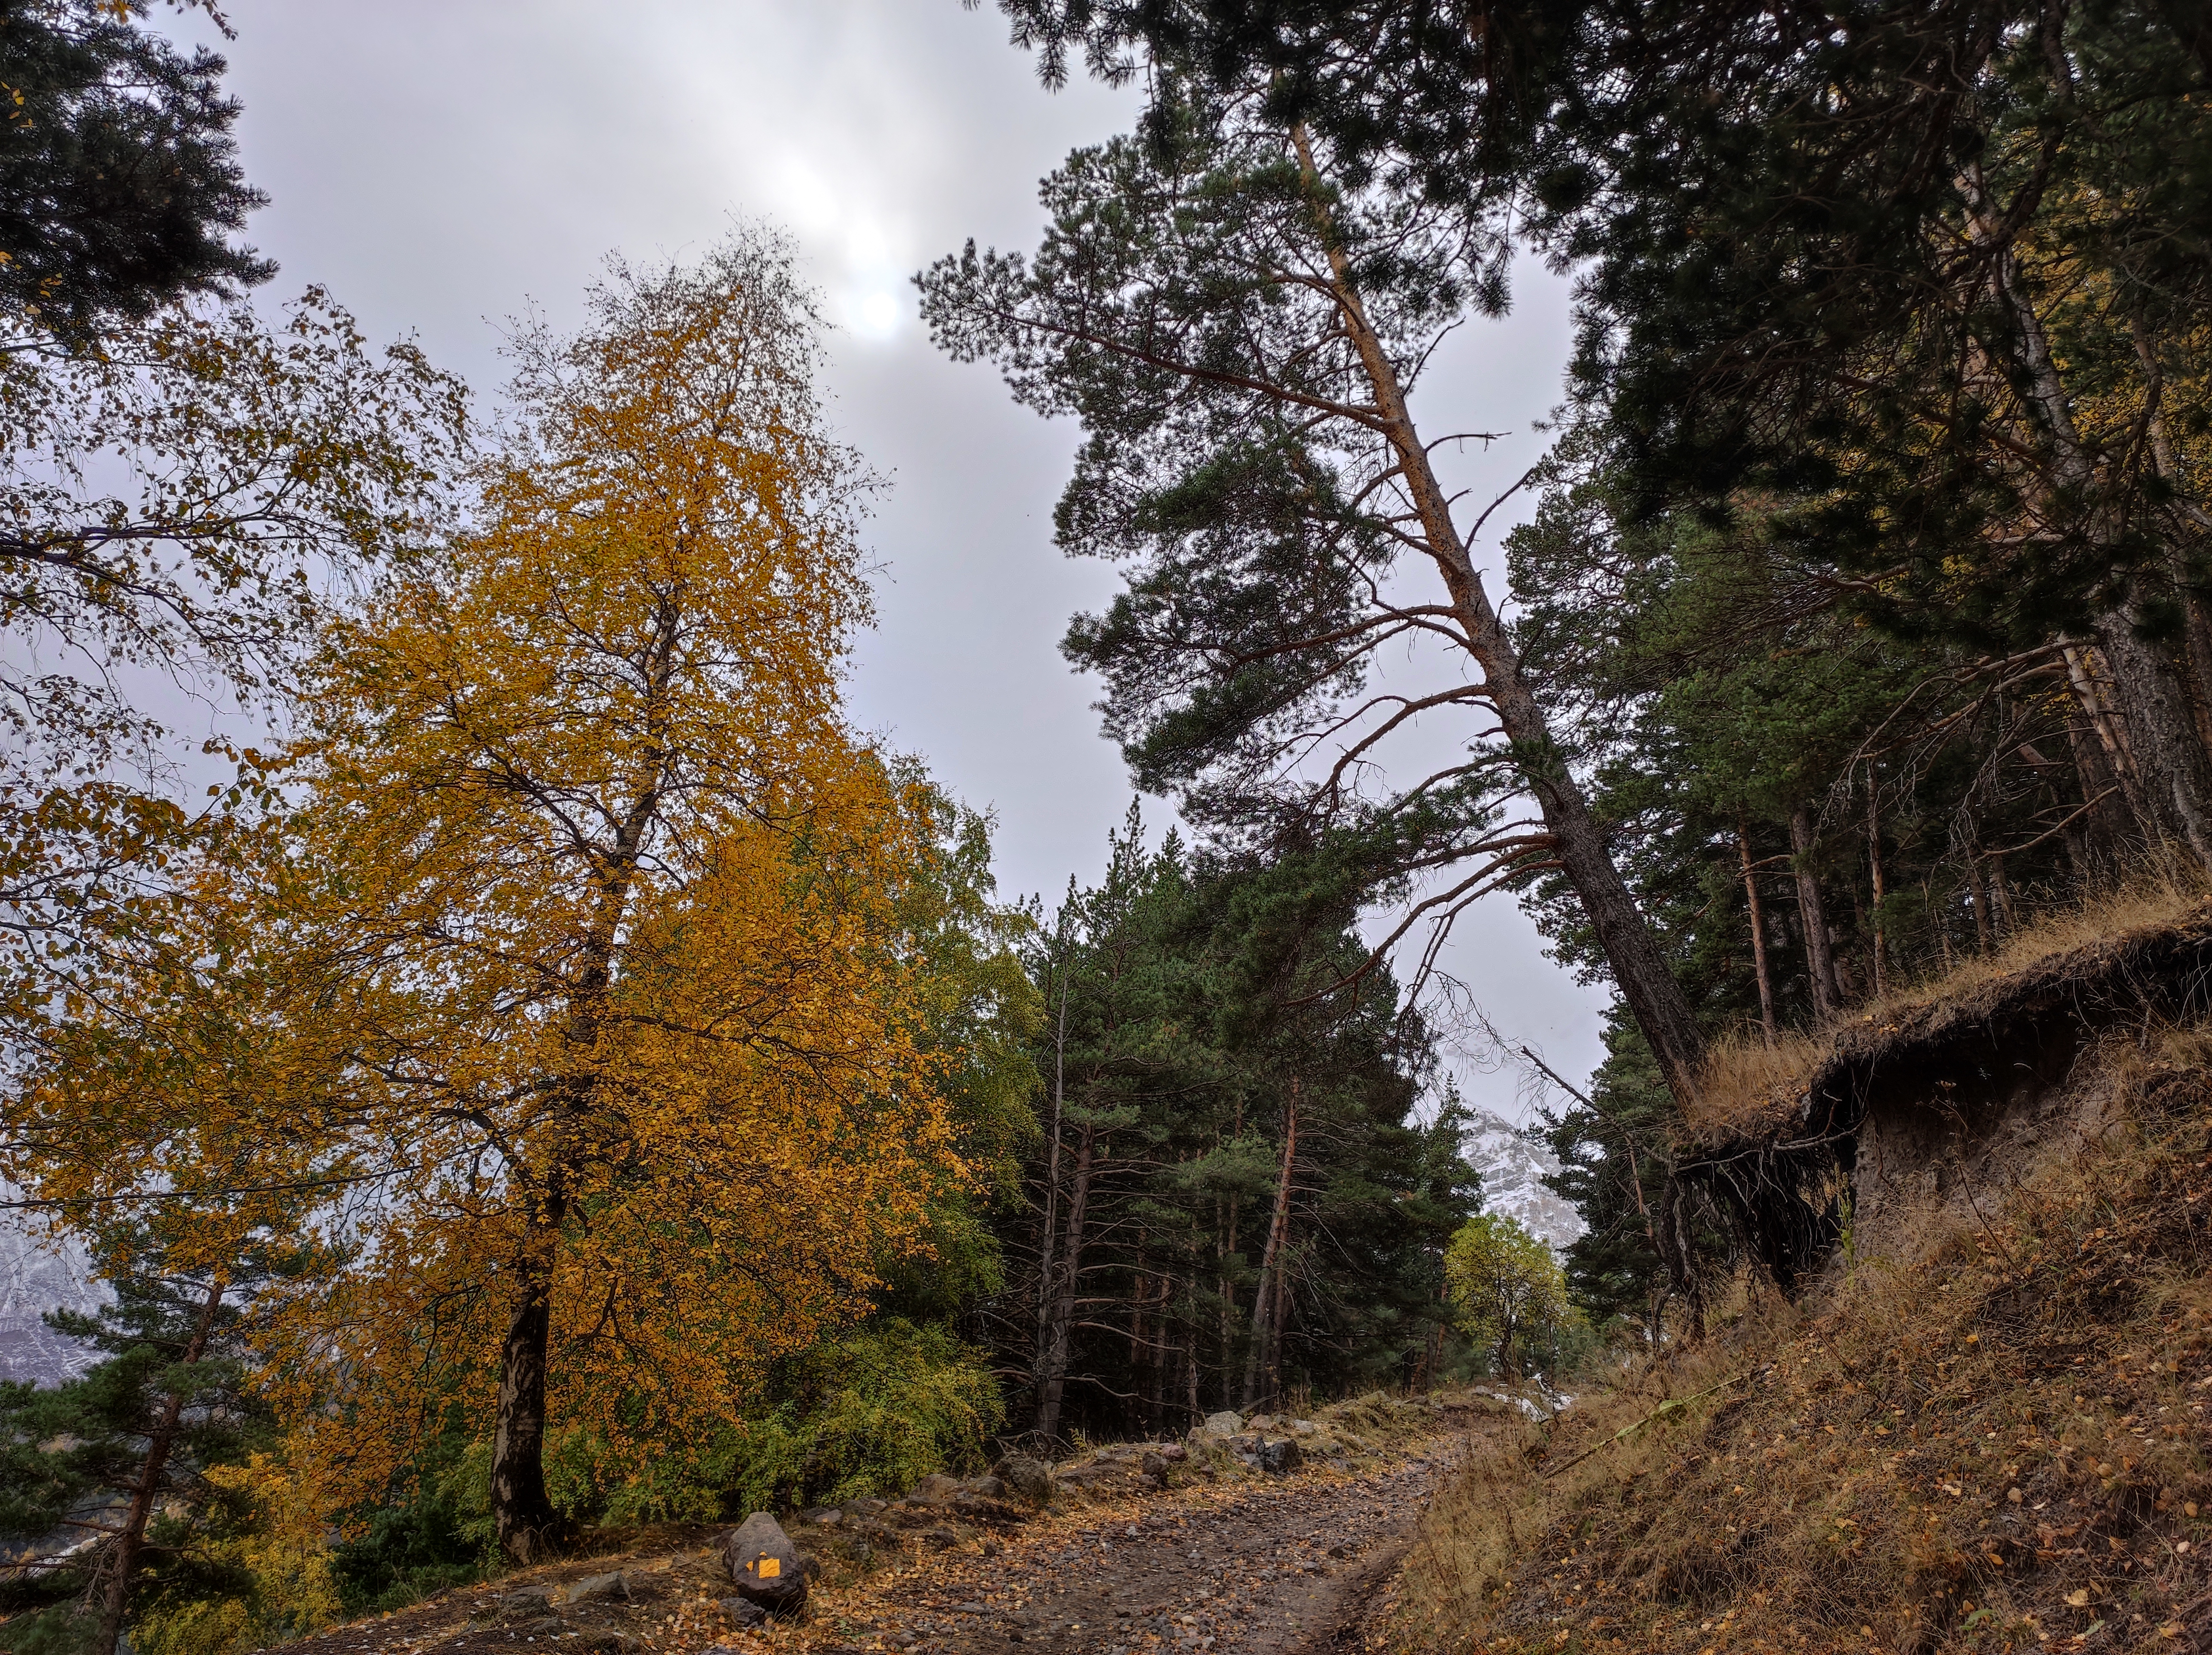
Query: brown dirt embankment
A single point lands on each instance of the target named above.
(1984, 1427)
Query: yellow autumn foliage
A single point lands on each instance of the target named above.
(585, 988)
(280, 1550)
(611, 899)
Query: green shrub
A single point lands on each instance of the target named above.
(870, 1413)
(441, 1537)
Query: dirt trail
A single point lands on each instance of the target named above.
(1263, 1569)
(1260, 1565)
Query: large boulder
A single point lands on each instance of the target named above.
(1030, 1478)
(1226, 1424)
(764, 1564)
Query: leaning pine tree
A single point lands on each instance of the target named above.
(1239, 332)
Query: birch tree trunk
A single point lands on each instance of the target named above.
(522, 1511)
(1874, 865)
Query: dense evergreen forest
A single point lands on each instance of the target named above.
(572, 1075)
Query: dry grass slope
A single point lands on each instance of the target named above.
(2001, 1445)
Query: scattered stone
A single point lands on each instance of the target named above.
(941, 1537)
(1082, 1477)
(1303, 1428)
(1174, 1452)
(1281, 1456)
(867, 1508)
(974, 1508)
(989, 1488)
(1224, 1424)
(764, 1564)
(599, 1589)
(1261, 1422)
(1030, 1478)
(824, 1517)
(1155, 1468)
(742, 1612)
(935, 1489)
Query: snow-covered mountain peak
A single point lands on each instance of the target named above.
(1513, 1165)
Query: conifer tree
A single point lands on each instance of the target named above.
(1238, 329)
(120, 186)
(109, 1470)
(1243, 1206)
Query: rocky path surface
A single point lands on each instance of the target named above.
(1261, 1568)
(1224, 1557)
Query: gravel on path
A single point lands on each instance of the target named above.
(1261, 1568)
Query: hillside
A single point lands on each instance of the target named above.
(1977, 1422)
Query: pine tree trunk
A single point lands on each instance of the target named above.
(1757, 934)
(2170, 761)
(1978, 894)
(1820, 956)
(528, 1527)
(1053, 1365)
(1263, 1306)
(121, 1563)
(1873, 866)
(1639, 968)
(1228, 1246)
(1052, 1173)
(2196, 614)
(1140, 1343)
(1196, 1413)
(2173, 797)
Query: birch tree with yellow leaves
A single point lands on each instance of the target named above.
(638, 1070)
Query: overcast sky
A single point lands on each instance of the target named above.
(440, 164)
